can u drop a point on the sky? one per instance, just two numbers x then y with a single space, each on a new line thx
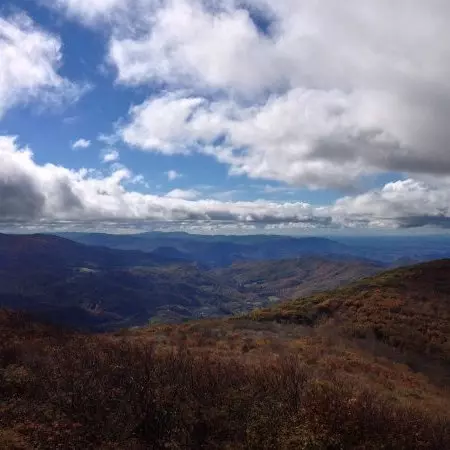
225 115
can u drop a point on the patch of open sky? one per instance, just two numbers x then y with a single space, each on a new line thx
263 22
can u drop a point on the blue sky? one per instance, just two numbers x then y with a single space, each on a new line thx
51 133
244 114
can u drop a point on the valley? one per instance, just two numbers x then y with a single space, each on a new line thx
99 288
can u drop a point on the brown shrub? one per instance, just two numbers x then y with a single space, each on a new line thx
114 392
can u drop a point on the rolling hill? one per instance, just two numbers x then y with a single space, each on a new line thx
102 288
291 278
293 376
407 308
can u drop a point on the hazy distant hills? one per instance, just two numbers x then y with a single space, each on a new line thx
109 281
99 287
217 250
224 250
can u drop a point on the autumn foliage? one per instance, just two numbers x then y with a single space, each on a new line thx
207 385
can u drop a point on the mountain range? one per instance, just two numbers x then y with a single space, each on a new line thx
95 287
216 251
221 250
102 281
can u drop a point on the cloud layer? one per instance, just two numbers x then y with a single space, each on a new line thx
310 93
31 193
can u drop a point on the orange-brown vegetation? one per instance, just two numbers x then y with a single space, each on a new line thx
220 385
407 308
237 383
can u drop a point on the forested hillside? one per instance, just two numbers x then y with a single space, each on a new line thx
365 367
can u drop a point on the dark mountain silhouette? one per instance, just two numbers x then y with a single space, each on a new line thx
219 250
42 250
100 288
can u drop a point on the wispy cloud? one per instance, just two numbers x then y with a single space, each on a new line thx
110 155
173 175
185 194
81 143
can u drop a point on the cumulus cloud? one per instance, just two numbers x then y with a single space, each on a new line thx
405 203
30 58
159 124
320 96
189 43
30 192
110 155
297 138
81 143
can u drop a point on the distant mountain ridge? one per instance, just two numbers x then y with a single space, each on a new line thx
219 251
101 288
223 250
35 250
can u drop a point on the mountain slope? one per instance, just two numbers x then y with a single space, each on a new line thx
41 250
407 308
290 278
274 382
98 287
208 385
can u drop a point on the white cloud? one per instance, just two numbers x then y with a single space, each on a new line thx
81 143
189 194
287 139
87 10
332 92
406 203
187 43
110 155
30 58
159 124
173 175
325 95
31 193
